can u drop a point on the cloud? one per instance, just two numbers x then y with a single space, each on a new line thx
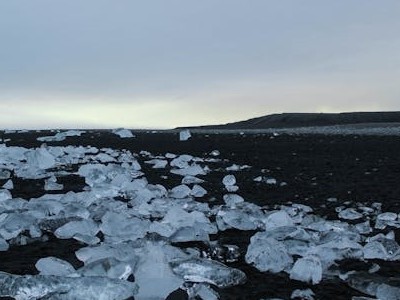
193 62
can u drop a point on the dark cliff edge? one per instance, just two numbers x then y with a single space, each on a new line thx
293 120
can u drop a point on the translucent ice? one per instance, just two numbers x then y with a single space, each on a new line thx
157 163
277 219
188 179
388 292
383 248
52 185
189 234
9 185
385 219
122 252
198 191
350 214
232 199
306 294
109 267
12 224
180 192
208 271
374 285
54 266
120 227
267 254
154 275
236 218
4 174
94 173
60 136
184 135
5 195
182 161
243 216
84 227
123 133
229 180
3 244
202 291
307 269
192 170
177 218
40 158
64 288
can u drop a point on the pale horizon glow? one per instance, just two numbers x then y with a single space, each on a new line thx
153 64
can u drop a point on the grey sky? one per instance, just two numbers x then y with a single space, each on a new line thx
166 63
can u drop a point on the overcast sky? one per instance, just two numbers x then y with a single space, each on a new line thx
167 63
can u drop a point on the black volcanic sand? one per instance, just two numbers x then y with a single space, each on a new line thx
353 169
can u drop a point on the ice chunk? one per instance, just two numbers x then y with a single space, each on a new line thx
202 291
189 234
192 170
236 218
184 135
109 267
306 294
364 228
215 153
40 158
188 179
119 227
182 161
64 288
60 136
52 185
170 155
9 185
5 195
104 158
12 224
86 239
94 174
271 181
267 254
385 219
388 292
383 248
123 133
233 168
157 163
121 251
277 219
307 269
4 174
154 275
3 245
229 180
350 214
208 271
54 266
84 227
227 253
244 216
232 199
198 191
374 285
177 218
180 192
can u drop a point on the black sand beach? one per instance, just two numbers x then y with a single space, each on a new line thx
352 169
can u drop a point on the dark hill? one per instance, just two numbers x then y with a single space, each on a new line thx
288 120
